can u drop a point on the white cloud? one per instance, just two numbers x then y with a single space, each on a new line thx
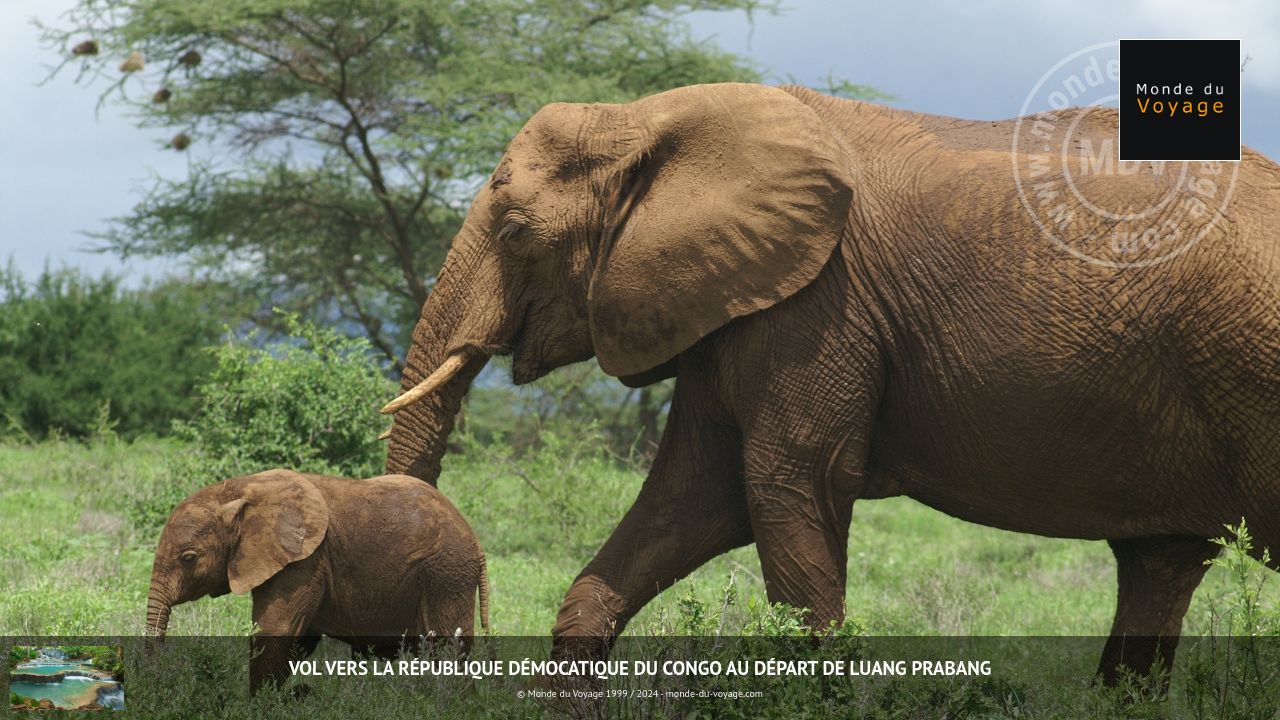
1255 22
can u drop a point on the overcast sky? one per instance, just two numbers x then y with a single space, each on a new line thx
63 172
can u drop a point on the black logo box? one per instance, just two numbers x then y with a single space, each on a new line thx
1157 73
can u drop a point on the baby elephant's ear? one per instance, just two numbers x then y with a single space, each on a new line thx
276 517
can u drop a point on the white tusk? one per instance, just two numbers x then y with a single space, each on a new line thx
447 370
386 434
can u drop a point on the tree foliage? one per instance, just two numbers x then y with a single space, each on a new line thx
73 347
357 128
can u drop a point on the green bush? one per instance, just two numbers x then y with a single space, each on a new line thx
106 658
71 345
1232 669
20 653
308 403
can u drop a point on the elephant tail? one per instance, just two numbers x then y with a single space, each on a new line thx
483 592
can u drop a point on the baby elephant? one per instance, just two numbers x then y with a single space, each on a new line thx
364 561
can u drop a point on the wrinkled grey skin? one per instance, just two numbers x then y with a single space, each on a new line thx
366 561
855 304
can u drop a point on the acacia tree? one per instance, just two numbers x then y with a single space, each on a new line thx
336 142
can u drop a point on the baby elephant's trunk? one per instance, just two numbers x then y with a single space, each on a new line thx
483 592
157 614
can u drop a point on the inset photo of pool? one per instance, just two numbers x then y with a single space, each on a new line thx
66 677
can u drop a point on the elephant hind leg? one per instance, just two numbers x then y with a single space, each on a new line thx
450 614
1156 578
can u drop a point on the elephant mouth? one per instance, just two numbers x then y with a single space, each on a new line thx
525 366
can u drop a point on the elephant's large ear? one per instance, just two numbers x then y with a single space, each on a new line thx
735 201
276 517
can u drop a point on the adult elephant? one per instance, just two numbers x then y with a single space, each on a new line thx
855 304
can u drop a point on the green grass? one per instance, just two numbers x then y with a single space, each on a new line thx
72 562
76 537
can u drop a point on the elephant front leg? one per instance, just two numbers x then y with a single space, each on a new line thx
803 470
690 510
270 660
283 608
802 535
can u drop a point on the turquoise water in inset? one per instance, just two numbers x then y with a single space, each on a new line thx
72 691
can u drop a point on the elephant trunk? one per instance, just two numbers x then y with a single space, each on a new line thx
482 594
158 608
451 344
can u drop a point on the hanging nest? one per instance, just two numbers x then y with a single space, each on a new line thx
190 58
162 96
133 63
180 142
88 47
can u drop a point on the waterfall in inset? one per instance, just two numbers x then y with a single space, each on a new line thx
112 696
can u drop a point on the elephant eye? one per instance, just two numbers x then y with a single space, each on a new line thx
188 557
509 233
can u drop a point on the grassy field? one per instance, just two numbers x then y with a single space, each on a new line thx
76 538
73 561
